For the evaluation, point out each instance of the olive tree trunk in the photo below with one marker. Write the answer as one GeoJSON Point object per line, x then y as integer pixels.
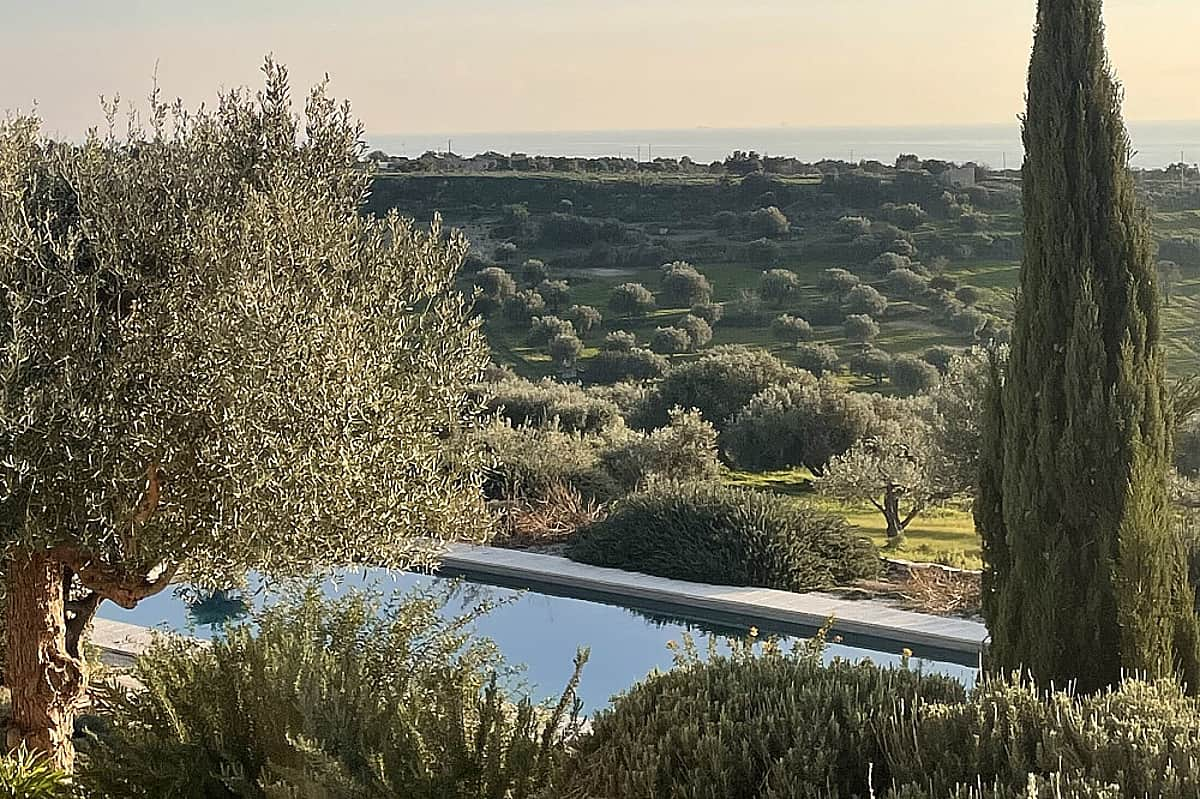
{"type": "Point", "coordinates": [47, 678]}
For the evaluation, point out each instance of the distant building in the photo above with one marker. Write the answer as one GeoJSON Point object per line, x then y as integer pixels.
{"type": "Point", "coordinates": [960, 177]}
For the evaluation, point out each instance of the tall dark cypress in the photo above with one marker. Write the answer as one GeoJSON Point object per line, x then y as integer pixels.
{"type": "Point", "coordinates": [1085, 578]}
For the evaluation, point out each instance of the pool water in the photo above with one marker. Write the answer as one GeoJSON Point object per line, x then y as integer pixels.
{"type": "Point", "coordinates": [540, 630]}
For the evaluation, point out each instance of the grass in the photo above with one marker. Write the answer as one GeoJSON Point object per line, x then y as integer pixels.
{"type": "Point", "coordinates": [939, 535]}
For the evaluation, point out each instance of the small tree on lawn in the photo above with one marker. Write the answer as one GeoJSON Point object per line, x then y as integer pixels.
{"type": "Point", "coordinates": [670, 340]}
{"type": "Point", "coordinates": [556, 293]}
{"type": "Point", "coordinates": [631, 299]}
{"type": "Point", "coordinates": [873, 363]}
{"type": "Point", "coordinates": [893, 467]}
{"type": "Point", "coordinates": [565, 349]}
{"type": "Point", "coordinates": [699, 330]}
{"type": "Point", "coordinates": [791, 329]}
{"type": "Point", "coordinates": [778, 286]}
{"type": "Point", "coordinates": [212, 362]}
{"type": "Point", "coordinates": [585, 318]}
{"type": "Point", "coordinates": [860, 328]}
{"type": "Point", "coordinates": [683, 285]}
{"type": "Point", "coordinates": [534, 271]}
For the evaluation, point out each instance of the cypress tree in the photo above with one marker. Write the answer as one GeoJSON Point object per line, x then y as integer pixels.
{"type": "Point", "coordinates": [1085, 577]}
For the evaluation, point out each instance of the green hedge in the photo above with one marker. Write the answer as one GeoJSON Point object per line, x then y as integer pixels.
{"type": "Point", "coordinates": [710, 533]}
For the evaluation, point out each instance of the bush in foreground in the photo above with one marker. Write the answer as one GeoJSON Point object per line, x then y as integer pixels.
{"type": "Point", "coordinates": [773, 726]}
{"type": "Point", "coordinates": [350, 697]}
{"type": "Point", "coordinates": [713, 534]}
{"type": "Point", "coordinates": [26, 775]}
{"type": "Point", "coordinates": [746, 727]}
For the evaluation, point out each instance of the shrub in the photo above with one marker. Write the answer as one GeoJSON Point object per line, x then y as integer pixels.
{"type": "Point", "coordinates": [565, 349]}
{"type": "Point", "coordinates": [613, 366]}
{"type": "Point", "coordinates": [861, 328]}
{"type": "Point", "coordinates": [686, 449]}
{"type": "Point", "coordinates": [619, 341]}
{"type": "Point", "coordinates": [682, 285]}
{"type": "Point", "coordinates": [907, 215]}
{"type": "Point", "coordinates": [866, 300]}
{"type": "Point", "coordinates": [903, 247]}
{"type": "Point", "coordinates": [853, 226]}
{"type": "Point", "coordinates": [628, 396]}
{"type": "Point", "coordinates": [726, 536]}
{"type": "Point", "coordinates": [670, 340]}
{"type": "Point", "coordinates": [749, 726]}
{"type": "Point", "coordinates": [873, 363]}
{"type": "Point", "coordinates": [889, 262]}
{"type": "Point", "coordinates": [698, 330]}
{"type": "Point", "coordinates": [544, 328]}
{"type": "Point", "coordinates": [534, 271]}
{"type": "Point", "coordinates": [505, 252]}
{"type": "Point", "coordinates": [532, 462]}
{"type": "Point", "coordinates": [519, 310]}
{"type": "Point", "coordinates": [585, 318]}
{"type": "Point", "coordinates": [838, 281]}
{"type": "Point", "coordinates": [718, 384]}
{"type": "Point", "coordinates": [943, 283]}
{"type": "Point", "coordinates": [912, 375]}
{"type": "Point", "coordinates": [827, 312]}
{"type": "Point", "coordinates": [803, 423]}
{"type": "Point", "coordinates": [710, 312]}
{"type": "Point", "coordinates": [816, 358]}
{"type": "Point", "coordinates": [556, 293]}
{"type": "Point", "coordinates": [778, 286]}
{"type": "Point", "coordinates": [349, 697]}
{"type": "Point", "coordinates": [1141, 738]}
{"type": "Point", "coordinates": [545, 403]}
{"type": "Point", "coordinates": [27, 775]}
{"type": "Point", "coordinates": [907, 283]}
{"type": "Point", "coordinates": [973, 221]}
{"type": "Point", "coordinates": [746, 310]}
{"type": "Point", "coordinates": [495, 284]}
{"type": "Point", "coordinates": [941, 357]}
{"type": "Point", "coordinates": [969, 321]}
{"type": "Point", "coordinates": [968, 295]}
{"type": "Point", "coordinates": [631, 299]}
{"type": "Point", "coordinates": [770, 222]}
{"type": "Point", "coordinates": [763, 251]}
{"type": "Point", "coordinates": [568, 230]}
{"type": "Point", "coordinates": [791, 329]}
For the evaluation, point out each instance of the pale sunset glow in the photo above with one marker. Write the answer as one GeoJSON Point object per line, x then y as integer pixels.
{"type": "Point", "coordinates": [421, 66]}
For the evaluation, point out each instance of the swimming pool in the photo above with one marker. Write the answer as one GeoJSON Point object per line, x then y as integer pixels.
{"type": "Point", "coordinates": [542, 628]}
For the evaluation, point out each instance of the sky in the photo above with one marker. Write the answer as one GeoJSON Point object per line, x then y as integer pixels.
{"type": "Point", "coordinates": [458, 66]}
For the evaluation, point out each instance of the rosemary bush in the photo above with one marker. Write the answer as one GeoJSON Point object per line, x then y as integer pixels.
{"type": "Point", "coordinates": [335, 698]}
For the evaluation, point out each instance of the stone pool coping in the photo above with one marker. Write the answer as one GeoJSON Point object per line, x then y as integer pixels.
{"type": "Point", "coordinates": [120, 642]}
{"type": "Point", "coordinates": [862, 617]}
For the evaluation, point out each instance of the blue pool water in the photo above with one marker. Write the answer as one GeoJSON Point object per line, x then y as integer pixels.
{"type": "Point", "coordinates": [543, 631]}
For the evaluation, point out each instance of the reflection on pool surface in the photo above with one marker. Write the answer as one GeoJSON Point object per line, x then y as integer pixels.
{"type": "Point", "coordinates": [537, 629]}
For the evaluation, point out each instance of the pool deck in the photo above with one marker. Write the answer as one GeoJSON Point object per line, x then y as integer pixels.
{"type": "Point", "coordinates": [119, 642]}
{"type": "Point", "coordinates": [864, 617]}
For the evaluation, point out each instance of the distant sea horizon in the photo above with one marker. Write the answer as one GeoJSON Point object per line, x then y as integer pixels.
{"type": "Point", "coordinates": [1156, 144]}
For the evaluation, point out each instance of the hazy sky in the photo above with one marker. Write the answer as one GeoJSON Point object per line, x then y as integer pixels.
{"type": "Point", "coordinates": [417, 66]}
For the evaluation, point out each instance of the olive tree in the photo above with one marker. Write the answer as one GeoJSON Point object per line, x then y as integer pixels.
{"type": "Point", "coordinates": [212, 362]}
{"type": "Point", "coordinates": [894, 466]}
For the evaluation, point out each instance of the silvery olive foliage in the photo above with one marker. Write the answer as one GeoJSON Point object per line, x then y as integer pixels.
{"type": "Point", "coordinates": [211, 360]}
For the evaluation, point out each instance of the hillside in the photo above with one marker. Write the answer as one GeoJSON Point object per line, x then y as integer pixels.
{"type": "Point", "coordinates": [959, 250]}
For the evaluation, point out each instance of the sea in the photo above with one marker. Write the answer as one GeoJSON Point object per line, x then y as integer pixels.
{"type": "Point", "coordinates": [1156, 144]}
